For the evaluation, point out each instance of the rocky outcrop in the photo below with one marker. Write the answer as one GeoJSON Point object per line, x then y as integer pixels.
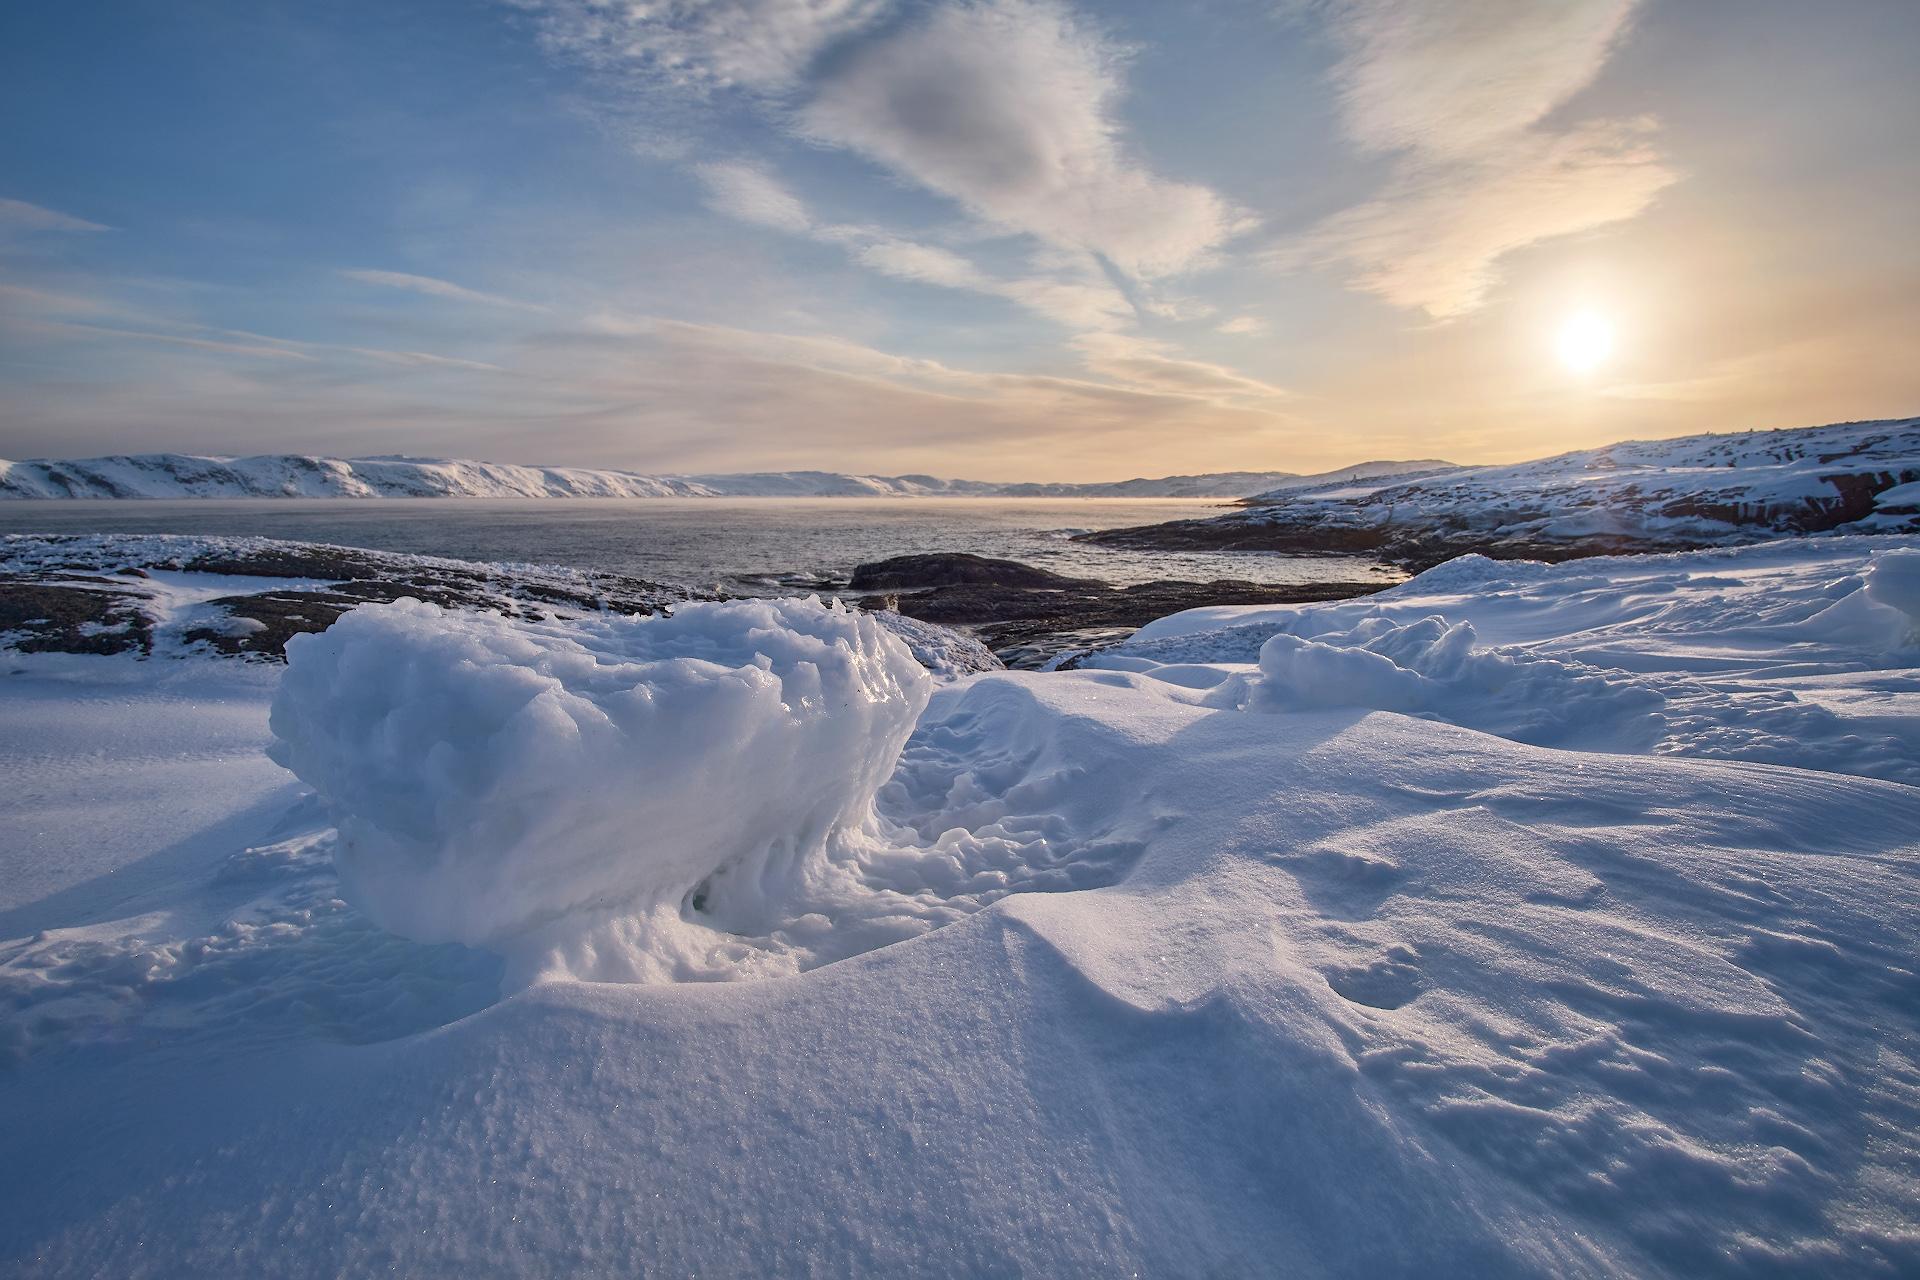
{"type": "Point", "coordinates": [1025, 614]}
{"type": "Point", "coordinates": [955, 569]}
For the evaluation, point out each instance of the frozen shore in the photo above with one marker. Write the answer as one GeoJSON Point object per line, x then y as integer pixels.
{"type": "Point", "coordinates": [1518, 919]}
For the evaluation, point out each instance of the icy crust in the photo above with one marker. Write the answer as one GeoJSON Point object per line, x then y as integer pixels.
{"type": "Point", "coordinates": [494, 780]}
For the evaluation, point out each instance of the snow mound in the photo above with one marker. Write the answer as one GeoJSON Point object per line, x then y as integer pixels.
{"type": "Point", "coordinates": [495, 780]}
{"type": "Point", "coordinates": [1438, 668]}
{"type": "Point", "coordinates": [1894, 580]}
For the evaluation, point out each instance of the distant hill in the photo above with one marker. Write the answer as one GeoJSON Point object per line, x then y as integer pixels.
{"type": "Point", "coordinates": [1638, 495]}
{"type": "Point", "coordinates": [176, 475]}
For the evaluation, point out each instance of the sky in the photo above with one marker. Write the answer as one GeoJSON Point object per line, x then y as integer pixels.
{"type": "Point", "coordinates": [998, 239]}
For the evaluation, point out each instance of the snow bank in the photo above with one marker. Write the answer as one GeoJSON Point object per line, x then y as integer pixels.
{"type": "Point", "coordinates": [1434, 666]}
{"type": "Point", "coordinates": [1894, 580]}
{"type": "Point", "coordinates": [491, 778]}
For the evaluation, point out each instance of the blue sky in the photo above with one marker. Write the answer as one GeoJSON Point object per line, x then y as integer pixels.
{"type": "Point", "coordinates": [1005, 239]}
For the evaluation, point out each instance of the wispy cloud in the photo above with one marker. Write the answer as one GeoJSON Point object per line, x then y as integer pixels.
{"type": "Point", "coordinates": [1145, 364]}
{"type": "Point", "coordinates": [701, 45]}
{"type": "Point", "coordinates": [53, 315]}
{"type": "Point", "coordinates": [265, 350]}
{"type": "Point", "coordinates": [433, 288]}
{"type": "Point", "coordinates": [1433, 240]}
{"type": "Point", "coordinates": [747, 194]}
{"type": "Point", "coordinates": [1461, 77]}
{"type": "Point", "coordinates": [1071, 291]}
{"type": "Point", "coordinates": [1461, 93]}
{"type": "Point", "coordinates": [17, 217]}
{"type": "Point", "coordinates": [1007, 107]}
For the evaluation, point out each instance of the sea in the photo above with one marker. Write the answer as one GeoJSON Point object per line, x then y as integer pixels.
{"type": "Point", "coordinates": [753, 545]}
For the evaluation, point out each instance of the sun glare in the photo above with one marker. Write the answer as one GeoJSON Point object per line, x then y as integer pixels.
{"type": "Point", "coordinates": [1586, 340]}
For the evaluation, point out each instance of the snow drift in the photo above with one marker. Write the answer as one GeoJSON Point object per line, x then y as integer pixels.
{"type": "Point", "coordinates": [495, 781]}
{"type": "Point", "coordinates": [1321, 989]}
{"type": "Point", "coordinates": [1439, 668]}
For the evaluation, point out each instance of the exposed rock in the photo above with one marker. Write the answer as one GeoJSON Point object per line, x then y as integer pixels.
{"type": "Point", "coordinates": [1026, 625]}
{"type": "Point", "coordinates": [75, 615]}
{"type": "Point", "coordinates": [956, 568]}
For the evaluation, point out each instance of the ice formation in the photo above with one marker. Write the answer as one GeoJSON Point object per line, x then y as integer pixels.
{"type": "Point", "coordinates": [496, 780]}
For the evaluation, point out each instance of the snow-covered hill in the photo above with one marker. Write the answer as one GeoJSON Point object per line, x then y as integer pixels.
{"type": "Point", "coordinates": [176, 475]}
{"type": "Point", "coordinates": [1649, 495]}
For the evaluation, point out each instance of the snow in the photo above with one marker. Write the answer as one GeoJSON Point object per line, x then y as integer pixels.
{"type": "Point", "coordinates": [174, 475]}
{"type": "Point", "coordinates": [1894, 581]}
{"type": "Point", "coordinates": [567, 789]}
{"type": "Point", "coordinates": [1519, 920]}
{"type": "Point", "coordinates": [1655, 494]}
{"type": "Point", "coordinates": [1756, 653]}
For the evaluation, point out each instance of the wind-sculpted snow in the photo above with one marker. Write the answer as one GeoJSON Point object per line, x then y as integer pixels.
{"type": "Point", "coordinates": [1894, 581]}
{"type": "Point", "coordinates": [1433, 667]}
{"type": "Point", "coordinates": [516, 786]}
{"type": "Point", "coordinates": [1751, 653]}
{"type": "Point", "coordinates": [1319, 983]}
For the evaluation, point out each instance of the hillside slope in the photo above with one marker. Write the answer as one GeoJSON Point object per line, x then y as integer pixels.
{"type": "Point", "coordinates": [175, 475]}
{"type": "Point", "coordinates": [1651, 495]}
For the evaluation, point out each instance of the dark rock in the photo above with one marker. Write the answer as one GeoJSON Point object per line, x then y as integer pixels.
{"type": "Point", "coordinates": [73, 617]}
{"type": "Point", "coordinates": [60, 602]}
{"type": "Point", "coordinates": [953, 569]}
{"type": "Point", "coordinates": [1025, 625]}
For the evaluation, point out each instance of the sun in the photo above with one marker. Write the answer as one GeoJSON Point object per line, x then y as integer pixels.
{"type": "Point", "coordinates": [1586, 340]}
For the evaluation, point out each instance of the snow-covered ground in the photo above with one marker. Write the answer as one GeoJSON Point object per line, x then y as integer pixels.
{"type": "Point", "coordinates": [177, 475]}
{"type": "Point", "coordinates": [1519, 920]}
{"type": "Point", "coordinates": [1644, 495]}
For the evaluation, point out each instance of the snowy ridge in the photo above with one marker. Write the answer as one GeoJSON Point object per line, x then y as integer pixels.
{"type": "Point", "coordinates": [175, 475]}
{"type": "Point", "coordinates": [1688, 491]}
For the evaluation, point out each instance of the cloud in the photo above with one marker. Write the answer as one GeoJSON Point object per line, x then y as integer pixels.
{"type": "Point", "coordinates": [1434, 239]}
{"type": "Point", "coordinates": [51, 315]}
{"type": "Point", "coordinates": [434, 288]}
{"type": "Point", "coordinates": [1072, 290]}
{"type": "Point", "coordinates": [746, 194]}
{"type": "Point", "coordinates": [1460, 94]}
{"type": "Point", "coordinates": [18, 218]}
{"type": "Point", "coordinates": [1145, 364]}
{"type": "Point", "coordinates": [701, 45]}
{"type": "Point", "coordinates": [267, 350]}
{"type": "Point", "coordinates": [1247, 326]}
{"type": "Point", "coordinates": [796, 400]}
{"type": "Point", "coordinates": [1007, 107]}
{"type": "Point", "coordinates": [1455, 78]}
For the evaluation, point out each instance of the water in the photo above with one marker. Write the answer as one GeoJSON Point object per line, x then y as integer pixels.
{"type": "Point", "coordinates": [751, 543]}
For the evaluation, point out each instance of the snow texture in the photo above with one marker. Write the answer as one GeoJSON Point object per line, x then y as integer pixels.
{"type": "Point", "coordinates": [493, 779]}
{"type": "Point", "coordinates": [1521, 920]}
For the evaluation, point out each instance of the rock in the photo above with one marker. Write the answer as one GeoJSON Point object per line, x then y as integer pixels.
{"type": "Point", "coordinates": [76, 615]}
{"type": "Point", "coordinates": [1025, 626]}
{"type": "Point", "coordinates": [956, 568]}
